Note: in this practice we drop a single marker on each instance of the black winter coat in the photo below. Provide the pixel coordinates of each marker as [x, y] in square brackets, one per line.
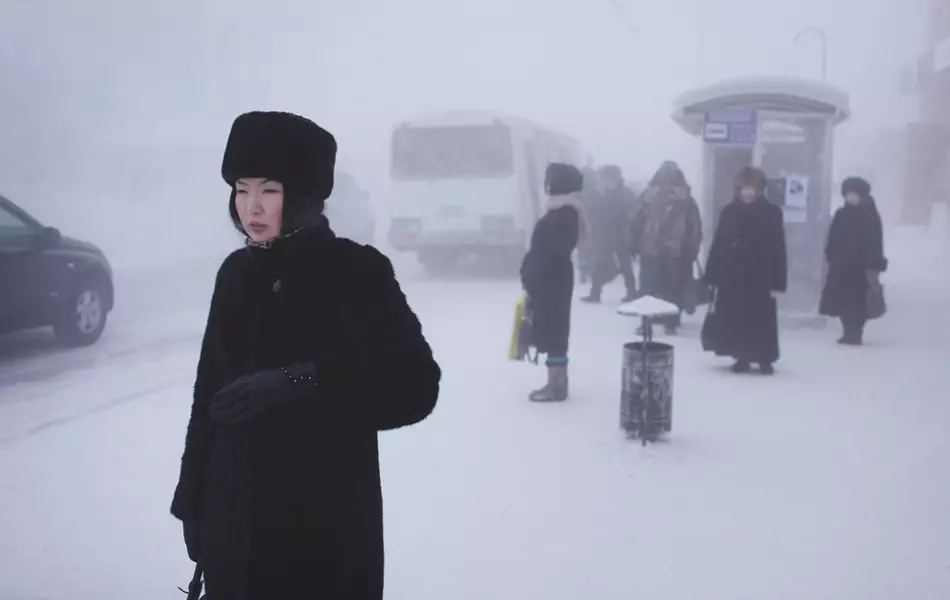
[290, 506]
[610, 217]
[747, 261]
[547, 275]
[855, 246]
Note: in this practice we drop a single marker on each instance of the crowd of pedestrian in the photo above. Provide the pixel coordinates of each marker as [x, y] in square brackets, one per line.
[660, 231]
[311, 349]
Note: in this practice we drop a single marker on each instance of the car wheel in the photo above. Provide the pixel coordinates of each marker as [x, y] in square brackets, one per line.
[84, 315]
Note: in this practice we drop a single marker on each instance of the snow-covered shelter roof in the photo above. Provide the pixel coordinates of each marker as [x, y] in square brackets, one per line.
[786, 94]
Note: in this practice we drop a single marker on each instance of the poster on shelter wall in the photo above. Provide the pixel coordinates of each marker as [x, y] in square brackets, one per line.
[795, 207]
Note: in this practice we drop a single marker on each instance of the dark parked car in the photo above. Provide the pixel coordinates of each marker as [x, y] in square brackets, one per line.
[48, 279]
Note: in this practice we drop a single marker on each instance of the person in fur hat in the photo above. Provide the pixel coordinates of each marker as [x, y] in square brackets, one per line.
[747, 266]
[547, 274]
[309, 350]
[855, 254]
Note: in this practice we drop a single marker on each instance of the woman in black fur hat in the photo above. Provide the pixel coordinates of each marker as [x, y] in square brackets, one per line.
[855, 254]
[279, 492]
[747, 266]
[547, 274]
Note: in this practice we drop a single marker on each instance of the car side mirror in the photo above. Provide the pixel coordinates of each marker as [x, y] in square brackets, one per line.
[49, 237]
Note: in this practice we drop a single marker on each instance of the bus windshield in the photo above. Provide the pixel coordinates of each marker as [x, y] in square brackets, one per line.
[452, 152]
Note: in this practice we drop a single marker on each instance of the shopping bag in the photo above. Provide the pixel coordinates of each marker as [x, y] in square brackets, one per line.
[521, 341]
[698, 292]
[876, 304]
[711, 334]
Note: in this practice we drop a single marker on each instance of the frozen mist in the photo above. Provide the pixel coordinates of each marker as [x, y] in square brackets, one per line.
[827, 481]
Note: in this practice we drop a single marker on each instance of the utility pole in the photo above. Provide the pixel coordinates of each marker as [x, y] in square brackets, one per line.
[617, 8]
[824, 46]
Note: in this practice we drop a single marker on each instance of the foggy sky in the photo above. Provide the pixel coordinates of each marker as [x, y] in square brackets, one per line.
[139, 73]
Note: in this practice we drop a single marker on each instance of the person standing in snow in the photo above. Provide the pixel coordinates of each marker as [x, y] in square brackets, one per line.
[666, 235]
[610, 219]
[590, 196]
[310, 349]
[547, 274]
[855, 254]
[747, 266]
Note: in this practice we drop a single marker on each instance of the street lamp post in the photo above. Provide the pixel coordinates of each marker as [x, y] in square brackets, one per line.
[824, 46]
[617, 8]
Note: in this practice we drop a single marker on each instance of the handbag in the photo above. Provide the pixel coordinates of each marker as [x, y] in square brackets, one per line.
[698, 292]
[711, 333]
[876, 305]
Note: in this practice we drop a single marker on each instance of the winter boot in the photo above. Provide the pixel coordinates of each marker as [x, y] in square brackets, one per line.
[591, 298]
[850, 338]
[556, 388]
[741, 366]
[853, 334]
[671, 327]
[766, 369]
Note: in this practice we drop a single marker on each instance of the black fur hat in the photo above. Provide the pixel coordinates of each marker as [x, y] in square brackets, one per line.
[857, 185]
[561, 179]
[284, 147]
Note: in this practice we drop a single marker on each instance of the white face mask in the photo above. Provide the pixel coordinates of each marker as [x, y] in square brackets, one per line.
[748, 193]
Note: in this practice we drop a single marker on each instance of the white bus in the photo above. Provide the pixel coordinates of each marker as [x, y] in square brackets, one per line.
[470, 183]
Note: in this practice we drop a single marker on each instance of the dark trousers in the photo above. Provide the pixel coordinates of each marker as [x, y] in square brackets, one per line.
[605, 270]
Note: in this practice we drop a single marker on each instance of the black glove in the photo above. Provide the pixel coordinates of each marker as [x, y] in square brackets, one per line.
[249, 396]
[190, 530]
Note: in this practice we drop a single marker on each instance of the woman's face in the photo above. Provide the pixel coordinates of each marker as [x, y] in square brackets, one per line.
[748, 193]
[852, 198]
[259, 203]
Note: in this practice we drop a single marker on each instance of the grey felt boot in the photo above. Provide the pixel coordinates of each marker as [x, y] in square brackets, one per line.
[556, 388]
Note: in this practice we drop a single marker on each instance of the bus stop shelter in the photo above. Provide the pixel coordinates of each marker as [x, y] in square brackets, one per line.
[786, 127]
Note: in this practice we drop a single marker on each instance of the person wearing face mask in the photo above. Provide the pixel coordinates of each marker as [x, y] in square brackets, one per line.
[310, 349]
[855, 254]
[747, 266]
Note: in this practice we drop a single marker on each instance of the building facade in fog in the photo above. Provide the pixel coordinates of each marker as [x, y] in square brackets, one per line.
[927, 172]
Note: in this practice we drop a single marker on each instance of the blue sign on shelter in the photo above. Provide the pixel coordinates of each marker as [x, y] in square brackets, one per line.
[730, 126]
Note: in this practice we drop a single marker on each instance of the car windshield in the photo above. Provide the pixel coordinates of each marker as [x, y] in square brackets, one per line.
[11, 225]
[452, 152]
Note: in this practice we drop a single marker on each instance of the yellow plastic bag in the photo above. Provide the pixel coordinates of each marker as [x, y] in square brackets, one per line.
[514, 341]
[520, 344]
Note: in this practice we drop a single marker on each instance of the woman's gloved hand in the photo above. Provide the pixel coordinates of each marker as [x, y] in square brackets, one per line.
[249, 396]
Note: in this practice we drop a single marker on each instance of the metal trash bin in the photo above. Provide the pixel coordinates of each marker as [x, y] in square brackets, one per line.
[646, 403]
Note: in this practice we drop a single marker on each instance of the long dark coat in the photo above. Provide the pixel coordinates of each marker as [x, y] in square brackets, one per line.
[547, 275]
[855, 246]
[667, 274]
[290, 505]
[747, 261]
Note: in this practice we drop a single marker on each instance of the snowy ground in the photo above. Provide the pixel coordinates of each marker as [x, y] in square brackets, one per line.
[827, 481]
